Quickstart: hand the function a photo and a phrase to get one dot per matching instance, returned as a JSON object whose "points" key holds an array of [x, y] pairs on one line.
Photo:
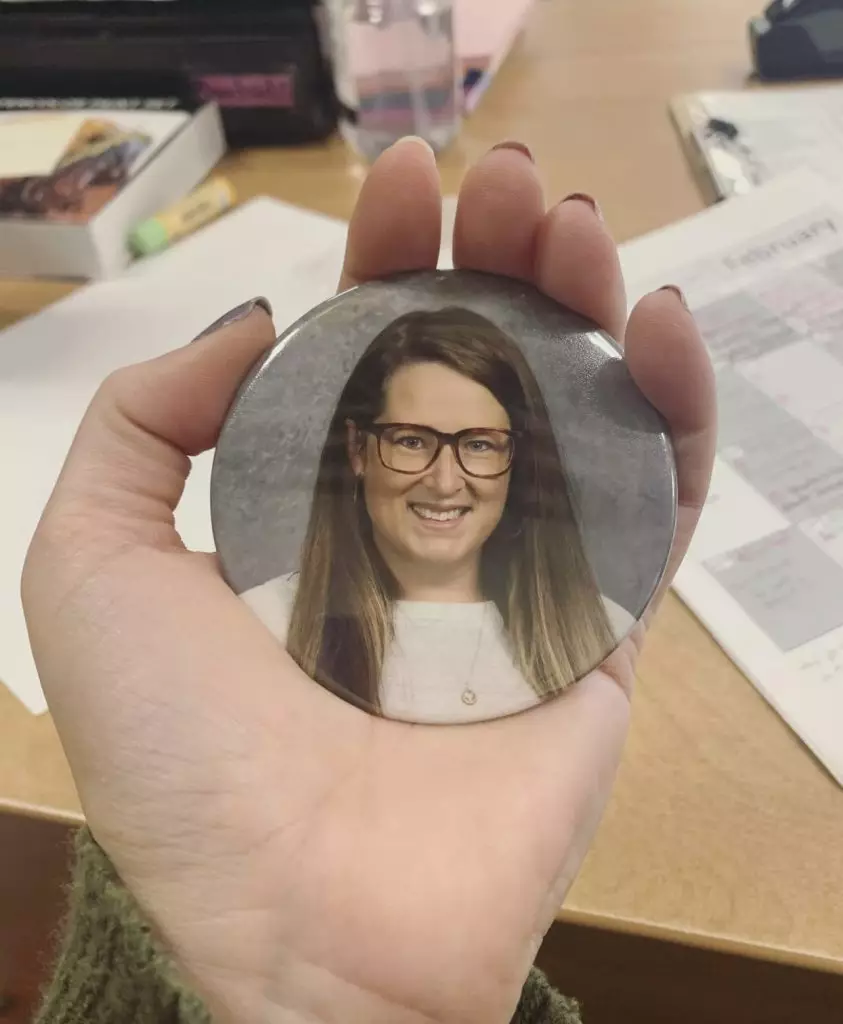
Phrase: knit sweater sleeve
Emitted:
{"points": [[110, 968]]}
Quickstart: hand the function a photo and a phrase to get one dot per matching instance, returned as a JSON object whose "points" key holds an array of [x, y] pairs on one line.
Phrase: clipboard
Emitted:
{"points": [[721, 162], [736, 141]]}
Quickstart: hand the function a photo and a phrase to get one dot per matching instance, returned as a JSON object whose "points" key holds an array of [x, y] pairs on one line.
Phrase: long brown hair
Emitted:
{"points": [[533, 566]]}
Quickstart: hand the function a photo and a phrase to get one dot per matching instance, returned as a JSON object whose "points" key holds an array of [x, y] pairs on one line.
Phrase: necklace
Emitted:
{"points": [[469, 697]]}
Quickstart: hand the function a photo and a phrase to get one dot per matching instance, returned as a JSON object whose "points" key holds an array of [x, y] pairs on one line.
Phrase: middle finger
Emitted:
{"points": [[499, 211], [502, 228]]}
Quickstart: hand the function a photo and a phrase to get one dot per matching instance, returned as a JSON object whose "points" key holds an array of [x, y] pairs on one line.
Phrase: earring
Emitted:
{"points": [[356, 492]]}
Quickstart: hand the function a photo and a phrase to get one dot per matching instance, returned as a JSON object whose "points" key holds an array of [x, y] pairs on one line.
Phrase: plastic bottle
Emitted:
{"points": [[395, 71]]}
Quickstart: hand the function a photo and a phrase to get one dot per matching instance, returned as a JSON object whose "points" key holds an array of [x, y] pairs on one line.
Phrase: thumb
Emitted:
{"points": [[130, 458]]}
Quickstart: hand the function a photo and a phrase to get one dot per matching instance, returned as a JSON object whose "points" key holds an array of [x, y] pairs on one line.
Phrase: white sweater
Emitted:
{"points": [[448, 663]]}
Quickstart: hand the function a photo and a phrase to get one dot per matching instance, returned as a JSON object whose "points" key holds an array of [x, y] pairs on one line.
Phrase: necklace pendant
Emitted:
{"points": [[469, 696]]}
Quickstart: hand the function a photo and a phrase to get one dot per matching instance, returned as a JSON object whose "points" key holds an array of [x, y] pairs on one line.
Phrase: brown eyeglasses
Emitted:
{"points": [[409, 448]]}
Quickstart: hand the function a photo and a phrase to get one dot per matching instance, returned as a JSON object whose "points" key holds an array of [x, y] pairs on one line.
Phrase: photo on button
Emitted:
{"points": [[418, 505]]}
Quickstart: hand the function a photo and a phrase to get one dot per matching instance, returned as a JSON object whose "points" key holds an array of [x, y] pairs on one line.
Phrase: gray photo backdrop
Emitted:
{"points": [[613, 443]]}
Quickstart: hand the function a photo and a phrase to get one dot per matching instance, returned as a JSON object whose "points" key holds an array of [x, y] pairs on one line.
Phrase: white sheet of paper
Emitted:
{"points": [[764, 277], [52, 363], [449, 216]]}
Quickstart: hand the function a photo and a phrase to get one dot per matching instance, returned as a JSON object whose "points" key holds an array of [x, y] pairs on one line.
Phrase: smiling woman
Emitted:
{"points": [[442, 576]]}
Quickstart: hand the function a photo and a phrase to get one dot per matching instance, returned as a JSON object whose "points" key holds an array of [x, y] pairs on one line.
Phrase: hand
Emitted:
{"points": [[302, 859]]}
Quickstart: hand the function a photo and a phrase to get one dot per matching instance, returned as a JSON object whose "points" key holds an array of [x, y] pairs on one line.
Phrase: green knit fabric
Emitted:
{"points": [[110, 968], [540, 1003]]}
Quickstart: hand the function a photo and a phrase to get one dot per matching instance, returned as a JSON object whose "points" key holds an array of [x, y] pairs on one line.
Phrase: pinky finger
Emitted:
{"points": [[669, 362]]}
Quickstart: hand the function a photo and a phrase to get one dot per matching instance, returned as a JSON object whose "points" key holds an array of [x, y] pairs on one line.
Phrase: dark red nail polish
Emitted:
{"points": [[519, 147], [677, 291], [584, 197], [238, 313]]}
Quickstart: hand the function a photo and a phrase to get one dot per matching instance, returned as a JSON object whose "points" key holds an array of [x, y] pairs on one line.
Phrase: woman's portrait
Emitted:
{"points": [[442, 577]]}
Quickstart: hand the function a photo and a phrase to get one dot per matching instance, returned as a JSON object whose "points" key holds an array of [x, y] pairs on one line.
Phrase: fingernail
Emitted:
{"points": [[584, 197], [413, 140], [519, 147], [238, 313], [677, 291]]}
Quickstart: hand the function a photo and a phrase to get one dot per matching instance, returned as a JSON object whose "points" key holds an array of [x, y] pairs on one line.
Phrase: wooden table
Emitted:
{"points": [[723, 831]]}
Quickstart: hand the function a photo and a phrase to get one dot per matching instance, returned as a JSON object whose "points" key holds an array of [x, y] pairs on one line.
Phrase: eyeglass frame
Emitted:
{"points": [[443, 440]]}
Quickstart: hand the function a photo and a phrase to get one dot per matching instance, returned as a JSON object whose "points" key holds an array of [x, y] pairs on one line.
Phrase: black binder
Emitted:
{"points": [[261, 60]]}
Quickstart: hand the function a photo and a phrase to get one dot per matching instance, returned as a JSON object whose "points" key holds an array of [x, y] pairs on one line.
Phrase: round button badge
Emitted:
{"points": [[444, 494]]}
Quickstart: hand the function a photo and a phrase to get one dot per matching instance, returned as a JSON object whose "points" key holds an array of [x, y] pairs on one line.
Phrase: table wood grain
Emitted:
{"points": [[723, 830]]}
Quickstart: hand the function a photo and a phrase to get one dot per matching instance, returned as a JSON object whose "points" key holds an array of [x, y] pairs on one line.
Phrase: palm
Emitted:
{"points": [[280, 838]]}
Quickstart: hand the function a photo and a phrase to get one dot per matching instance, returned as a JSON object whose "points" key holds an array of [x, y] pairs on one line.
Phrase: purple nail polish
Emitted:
{"points": [[238, 313]]}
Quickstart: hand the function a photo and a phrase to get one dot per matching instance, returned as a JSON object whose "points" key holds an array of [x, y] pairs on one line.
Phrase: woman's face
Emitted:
{"points": [[440, 516]]}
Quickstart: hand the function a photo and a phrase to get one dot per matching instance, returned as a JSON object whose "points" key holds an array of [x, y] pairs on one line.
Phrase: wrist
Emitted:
{"points": [[308, 994], [313, 996], [303, 995]]}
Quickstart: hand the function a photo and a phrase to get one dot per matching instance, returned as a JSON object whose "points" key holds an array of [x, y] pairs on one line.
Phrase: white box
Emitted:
{"points": [[99, 248]]}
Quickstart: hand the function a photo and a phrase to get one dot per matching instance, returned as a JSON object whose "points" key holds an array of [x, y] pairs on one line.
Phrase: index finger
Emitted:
{"points": [[397, 221]]}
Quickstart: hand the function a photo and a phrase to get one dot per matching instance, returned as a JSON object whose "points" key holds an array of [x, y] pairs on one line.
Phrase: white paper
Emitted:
{"points": [[449, 216], [51, 364], [764, 276]]}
